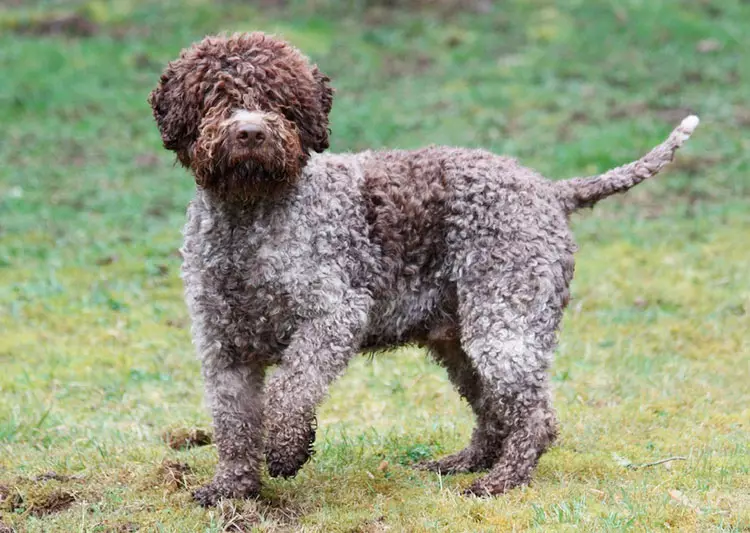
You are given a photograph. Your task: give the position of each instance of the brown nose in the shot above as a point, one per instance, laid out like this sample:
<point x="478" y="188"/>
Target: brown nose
<point x="251" y="135"/>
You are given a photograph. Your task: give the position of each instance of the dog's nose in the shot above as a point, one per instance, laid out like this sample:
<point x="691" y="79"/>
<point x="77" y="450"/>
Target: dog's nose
<point x="251" y="135"/>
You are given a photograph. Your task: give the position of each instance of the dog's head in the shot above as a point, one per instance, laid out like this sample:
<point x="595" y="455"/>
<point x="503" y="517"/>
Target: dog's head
<point x="243" y="112"/>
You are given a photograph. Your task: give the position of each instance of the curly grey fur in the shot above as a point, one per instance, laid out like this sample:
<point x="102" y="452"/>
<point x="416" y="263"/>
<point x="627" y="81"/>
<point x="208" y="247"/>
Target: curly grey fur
<point x="462" y="251"/>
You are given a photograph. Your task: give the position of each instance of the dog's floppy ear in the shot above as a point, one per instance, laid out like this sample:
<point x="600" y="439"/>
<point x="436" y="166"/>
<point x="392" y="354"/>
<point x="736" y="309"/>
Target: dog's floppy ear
<point x="325" y="93"/>
<point x="175" y="111"/>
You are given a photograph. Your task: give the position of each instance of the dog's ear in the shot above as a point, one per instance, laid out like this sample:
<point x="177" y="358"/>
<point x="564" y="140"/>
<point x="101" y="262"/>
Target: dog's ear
<point x="326" y="91"/>
<point x="319" y="130"/>
<point x="175" y="112"/>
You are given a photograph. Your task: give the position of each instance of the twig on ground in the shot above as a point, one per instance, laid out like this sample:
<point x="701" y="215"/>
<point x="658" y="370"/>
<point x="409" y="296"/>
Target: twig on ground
<point x="661" y="461"/>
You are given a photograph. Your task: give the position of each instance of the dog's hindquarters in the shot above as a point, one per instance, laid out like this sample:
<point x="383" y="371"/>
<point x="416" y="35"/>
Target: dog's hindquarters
<point x="512" y="254"/>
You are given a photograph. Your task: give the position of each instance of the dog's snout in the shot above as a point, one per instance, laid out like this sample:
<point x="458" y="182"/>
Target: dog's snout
<point x="251" y="135"/>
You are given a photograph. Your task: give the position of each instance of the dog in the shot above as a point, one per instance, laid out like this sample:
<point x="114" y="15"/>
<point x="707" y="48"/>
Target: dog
<point x="300" y="260"/>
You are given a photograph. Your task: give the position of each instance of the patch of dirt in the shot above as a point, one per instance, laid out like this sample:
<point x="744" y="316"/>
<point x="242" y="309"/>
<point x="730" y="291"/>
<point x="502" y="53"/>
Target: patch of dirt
<point x="10" y="499"/>
<point x="181" y="438"/>
<point x="175" y="475"/>
<point x="41" y="495"/>
<point x="5" y="528"/>
<point x="69" y="25"/>
<point x="54" y="502"/>
<point x="51" y="475"/>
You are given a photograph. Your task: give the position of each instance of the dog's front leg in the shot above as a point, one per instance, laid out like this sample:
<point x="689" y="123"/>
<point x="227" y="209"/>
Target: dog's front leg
<point x="234" y="394"/>
<point x="319" y="352"/>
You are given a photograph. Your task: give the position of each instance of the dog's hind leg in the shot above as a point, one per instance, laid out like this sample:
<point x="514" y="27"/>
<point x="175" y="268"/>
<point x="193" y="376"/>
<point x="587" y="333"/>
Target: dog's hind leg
<point x="511" y="360"/>
<point x="488" y="435"/>
<point x="511" y="298"/>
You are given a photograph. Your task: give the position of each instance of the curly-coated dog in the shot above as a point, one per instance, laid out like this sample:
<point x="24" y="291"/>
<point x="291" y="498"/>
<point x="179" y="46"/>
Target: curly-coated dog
<point x="302" y="260"/>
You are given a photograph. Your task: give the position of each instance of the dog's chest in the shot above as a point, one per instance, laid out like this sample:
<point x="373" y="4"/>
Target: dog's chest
<point x="257" y="276"/>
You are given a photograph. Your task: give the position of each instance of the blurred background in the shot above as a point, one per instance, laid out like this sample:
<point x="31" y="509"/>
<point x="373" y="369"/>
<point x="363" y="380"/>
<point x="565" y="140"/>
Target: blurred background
<point x="94" y="338"/>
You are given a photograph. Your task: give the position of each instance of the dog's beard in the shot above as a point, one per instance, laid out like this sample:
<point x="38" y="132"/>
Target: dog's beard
<point x="248" y="178"/>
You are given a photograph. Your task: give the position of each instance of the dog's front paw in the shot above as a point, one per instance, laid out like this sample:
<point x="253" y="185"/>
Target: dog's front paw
<point x="288" y="448"/>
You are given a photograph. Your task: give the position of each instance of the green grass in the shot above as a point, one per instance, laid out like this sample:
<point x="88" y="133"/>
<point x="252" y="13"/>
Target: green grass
<point x="654" y="358"/>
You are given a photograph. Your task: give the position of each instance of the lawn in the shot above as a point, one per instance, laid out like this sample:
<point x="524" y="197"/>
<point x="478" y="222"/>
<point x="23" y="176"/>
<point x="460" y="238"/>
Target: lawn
<point x="654" y="359"/>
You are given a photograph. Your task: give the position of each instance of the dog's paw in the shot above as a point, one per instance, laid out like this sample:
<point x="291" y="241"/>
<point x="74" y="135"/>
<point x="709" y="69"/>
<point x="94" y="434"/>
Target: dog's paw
<point x="467" y="460"/>
<point x="287" y="451"/>
<point x="210" y="494"/>
<point x="492" y="486"/>
<point x="287" y="463"/>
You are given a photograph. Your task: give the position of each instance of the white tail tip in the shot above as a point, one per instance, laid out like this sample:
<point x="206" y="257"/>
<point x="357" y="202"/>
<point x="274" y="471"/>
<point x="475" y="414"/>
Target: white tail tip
<point x="686" y="129"/>
<point x="690" y="123"/>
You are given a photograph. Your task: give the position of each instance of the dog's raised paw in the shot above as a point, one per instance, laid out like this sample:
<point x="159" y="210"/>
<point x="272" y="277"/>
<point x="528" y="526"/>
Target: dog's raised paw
<point x="289" y="447"/>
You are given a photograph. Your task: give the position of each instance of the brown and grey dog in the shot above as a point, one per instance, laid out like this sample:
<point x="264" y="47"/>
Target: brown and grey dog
<point x="302" y="260"/>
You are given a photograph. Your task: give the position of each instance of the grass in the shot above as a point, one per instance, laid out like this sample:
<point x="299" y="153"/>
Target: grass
<point x="654" y="356"/>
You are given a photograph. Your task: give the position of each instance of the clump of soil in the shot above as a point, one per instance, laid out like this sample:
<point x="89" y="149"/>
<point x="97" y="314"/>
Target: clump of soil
<point x="182" y="438"/>
<point x="174" y="475"/>
<point x="52" y="502"/>
<point x="10" y="499"/>
<point x="42" y="495"/>
<point x="38" y="501"/>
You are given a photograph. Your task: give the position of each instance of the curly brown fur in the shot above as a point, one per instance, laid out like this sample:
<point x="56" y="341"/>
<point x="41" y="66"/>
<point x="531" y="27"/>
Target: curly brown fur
<point x="302" y="261"/>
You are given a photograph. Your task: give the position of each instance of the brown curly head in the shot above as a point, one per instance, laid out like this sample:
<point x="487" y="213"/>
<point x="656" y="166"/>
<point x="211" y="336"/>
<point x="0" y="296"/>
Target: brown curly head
<point x="243" y="112"/>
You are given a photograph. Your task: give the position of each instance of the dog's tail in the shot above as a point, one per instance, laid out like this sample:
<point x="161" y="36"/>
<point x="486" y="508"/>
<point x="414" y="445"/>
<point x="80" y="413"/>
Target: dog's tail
<point x="577" y="193"/>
